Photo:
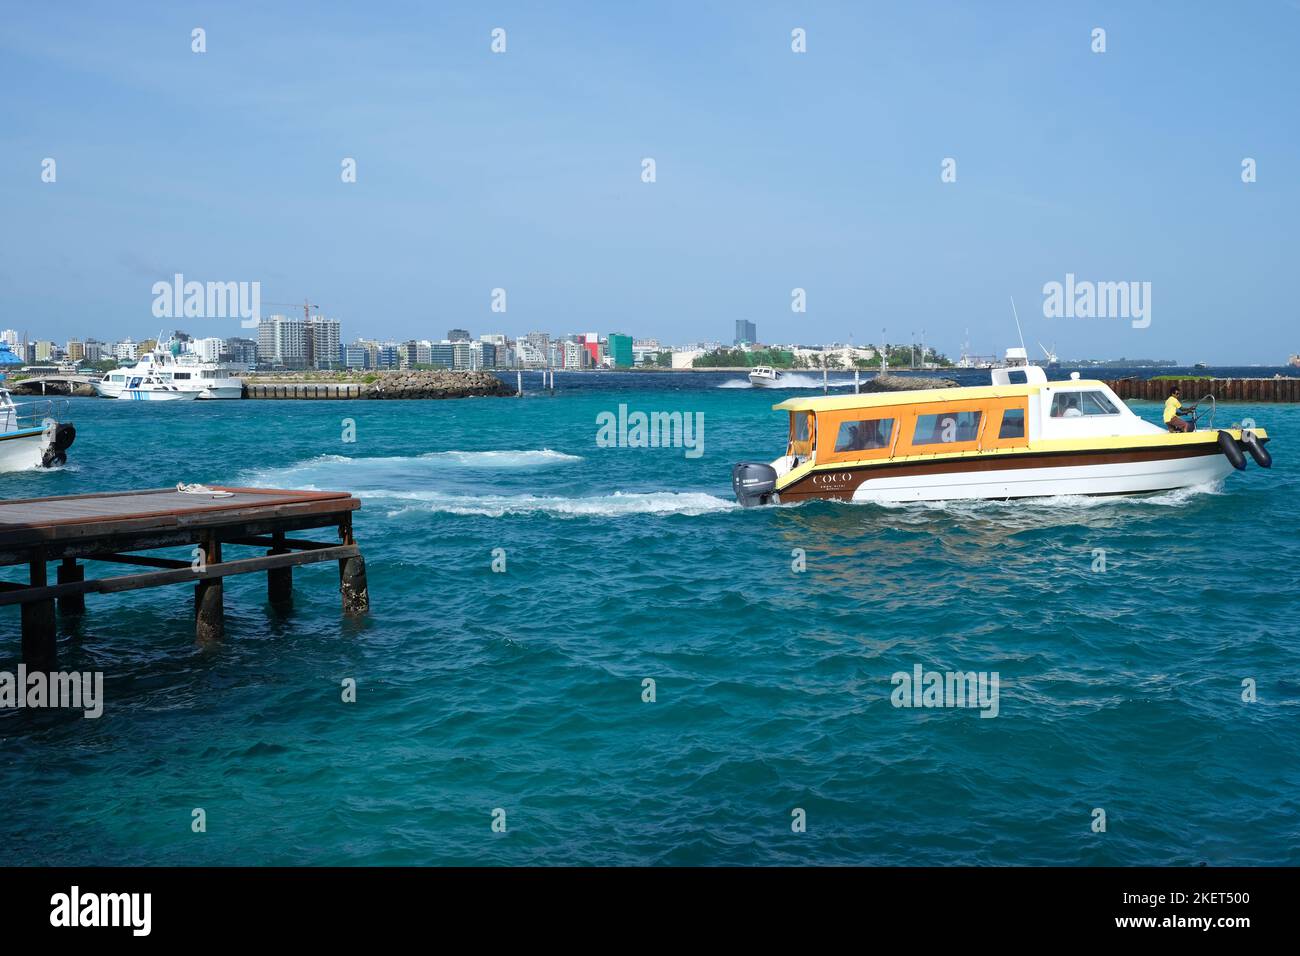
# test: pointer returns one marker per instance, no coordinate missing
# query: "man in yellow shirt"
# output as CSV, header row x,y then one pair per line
x,y
1173,407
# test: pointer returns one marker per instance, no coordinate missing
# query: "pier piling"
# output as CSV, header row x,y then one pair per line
x,y
70,571
209,608
39,646
279,581
352,576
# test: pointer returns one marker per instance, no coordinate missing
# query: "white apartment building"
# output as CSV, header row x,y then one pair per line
x,y
209,349
283,341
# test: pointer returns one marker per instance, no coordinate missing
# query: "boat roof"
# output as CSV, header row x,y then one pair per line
x,y
922,395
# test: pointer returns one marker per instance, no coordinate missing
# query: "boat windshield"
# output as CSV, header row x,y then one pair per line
x,y
803,428
1078,404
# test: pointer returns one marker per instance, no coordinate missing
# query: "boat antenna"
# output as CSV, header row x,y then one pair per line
x,y
1018,332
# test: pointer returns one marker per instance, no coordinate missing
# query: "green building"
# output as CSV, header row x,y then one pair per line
x,y
620,350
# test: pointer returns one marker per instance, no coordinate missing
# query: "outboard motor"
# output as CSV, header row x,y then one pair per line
x,y
57,452
1250,441
1232,451
754,483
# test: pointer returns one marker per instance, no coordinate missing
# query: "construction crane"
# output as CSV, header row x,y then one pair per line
x,y
306,307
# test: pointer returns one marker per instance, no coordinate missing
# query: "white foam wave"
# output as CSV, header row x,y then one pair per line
x,y
616,505
346,471
788,380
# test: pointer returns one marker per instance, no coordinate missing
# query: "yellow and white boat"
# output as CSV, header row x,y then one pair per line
x,y
1020,437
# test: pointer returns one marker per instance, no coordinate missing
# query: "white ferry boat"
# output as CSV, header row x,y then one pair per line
x,y
208,380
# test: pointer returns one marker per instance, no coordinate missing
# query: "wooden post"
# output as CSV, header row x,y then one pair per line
x,y
352,575
70,571
279,581
209,612
40,650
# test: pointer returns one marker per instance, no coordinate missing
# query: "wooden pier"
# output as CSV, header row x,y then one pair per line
x,y
1223,389
112,527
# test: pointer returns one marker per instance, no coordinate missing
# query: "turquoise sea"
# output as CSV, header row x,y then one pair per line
x,y
522,690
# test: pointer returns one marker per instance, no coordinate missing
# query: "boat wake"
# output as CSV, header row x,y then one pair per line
x,y
618,504
787,381
335,471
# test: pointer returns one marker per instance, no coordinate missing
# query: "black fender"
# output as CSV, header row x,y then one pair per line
x,y
1250,441
1232,451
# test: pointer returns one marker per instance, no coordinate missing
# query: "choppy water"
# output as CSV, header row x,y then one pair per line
x,y
522,690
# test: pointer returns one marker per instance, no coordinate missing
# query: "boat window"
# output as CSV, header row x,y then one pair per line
x,y
801,424
1013,423
182,375
1078,404
801,434
946,427
1017,376
864,435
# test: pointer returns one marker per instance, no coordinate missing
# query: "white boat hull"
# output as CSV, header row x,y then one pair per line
x,y
1120,478
762,381
22,452
223,391
159,395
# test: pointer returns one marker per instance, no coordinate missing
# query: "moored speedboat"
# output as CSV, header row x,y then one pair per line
x,y
31,434
1019,437
764,376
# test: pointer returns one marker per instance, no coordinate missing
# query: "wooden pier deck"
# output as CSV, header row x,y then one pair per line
x,y
111,527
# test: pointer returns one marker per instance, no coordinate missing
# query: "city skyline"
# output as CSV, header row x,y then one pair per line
x,y
916,195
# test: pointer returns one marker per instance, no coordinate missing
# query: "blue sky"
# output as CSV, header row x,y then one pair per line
x,y
775,170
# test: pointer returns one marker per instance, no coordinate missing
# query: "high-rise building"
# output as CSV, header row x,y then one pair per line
x,y
239,351
620,350
322,338
45,351
76,350
96,351
282,342
746,332
126,350
457,335
10,338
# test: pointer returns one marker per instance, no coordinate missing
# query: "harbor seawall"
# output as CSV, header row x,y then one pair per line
x,y
393,385
1223,389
